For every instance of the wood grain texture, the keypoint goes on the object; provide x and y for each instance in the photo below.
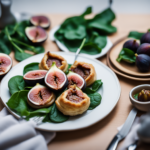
(98, 136)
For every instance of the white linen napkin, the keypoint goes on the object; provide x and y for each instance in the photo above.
(21, 135)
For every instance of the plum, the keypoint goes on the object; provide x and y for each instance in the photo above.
(144, 49)
(145, 37)
(132, 45)
(143, 62)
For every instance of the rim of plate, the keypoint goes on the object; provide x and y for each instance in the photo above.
(80, 55)
(65, 49)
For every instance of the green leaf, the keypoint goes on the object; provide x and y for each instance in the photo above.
(87, 11)
(56, 115)
(31, 67)
(136, 96)
(126, 55)
(16, 84)
(21, 55)
(39, 49)
(69, 66)
(96, 85)
(95, 100)
(135, 35)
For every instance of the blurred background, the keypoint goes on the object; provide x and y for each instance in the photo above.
(77, 6)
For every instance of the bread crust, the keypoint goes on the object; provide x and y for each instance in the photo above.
(44, 66)
(92, 76)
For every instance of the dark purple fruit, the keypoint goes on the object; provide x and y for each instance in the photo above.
(36, 34)
(145, 37)
(144, 49)
(41, 21)
(75, 79)
(132, 45)
(143, 62)
(5, 64)
(56, 79)
(40, 96)
(144, 95)
(35, 76)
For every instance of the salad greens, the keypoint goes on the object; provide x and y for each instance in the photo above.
(136, 96)
(74, 29)
(13, 38)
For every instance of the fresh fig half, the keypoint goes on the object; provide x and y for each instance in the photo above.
(5, 64)
(41, 21)
(74, 78)
(35, 76)
(56, 79)
(36, 34)
(40, 96)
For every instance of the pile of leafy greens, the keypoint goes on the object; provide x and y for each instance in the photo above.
(74, 29)
(13, 37)
(127, 54)
(18, 100)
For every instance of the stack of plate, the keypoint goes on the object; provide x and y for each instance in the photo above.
(123, 68)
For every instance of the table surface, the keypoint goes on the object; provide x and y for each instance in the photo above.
(98, 136)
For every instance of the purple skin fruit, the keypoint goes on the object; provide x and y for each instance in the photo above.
(144, 49)
(146, 37)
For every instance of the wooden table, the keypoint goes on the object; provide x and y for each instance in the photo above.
(98, 136)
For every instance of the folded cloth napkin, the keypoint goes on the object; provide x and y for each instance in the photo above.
(21, 135)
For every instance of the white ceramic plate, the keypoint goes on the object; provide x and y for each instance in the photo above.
(65, 49)
(110, 92)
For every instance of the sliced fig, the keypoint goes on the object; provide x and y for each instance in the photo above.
(35, 76)
(40, 96)
(36, 34)
(41, 21)
(74, 78)
(143, 62)
(144, 49)
(5, 64)
(56, 79)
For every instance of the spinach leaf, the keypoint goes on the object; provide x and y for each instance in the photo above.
(31, 67)
(95, 100)
(135, 35)
(16, 84)
(96, 85)
(136, 96)
(126, 55)
(69, 66)
(56, 116)
(21, 55)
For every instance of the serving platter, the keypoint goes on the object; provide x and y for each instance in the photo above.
(65, 49)
(125, 67)
(110, 92)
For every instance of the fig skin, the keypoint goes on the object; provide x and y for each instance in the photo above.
(145, 37)
(132, 45)
(5, 61)
(144, 95)
(33, 34)
(40, 103)
(41, 21)
(144, 49)
(52, 75)
(72, 77)
(143, 62)
(32, 81)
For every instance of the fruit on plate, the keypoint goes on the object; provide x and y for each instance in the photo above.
(146, 37)
(36, 34)
(5, 64)
(49, 58)
(73, 101)
(144, 49)
(74, 78)
(144, 95)
(35, 76)
(56, 79)
(41, 21)
(143, 62)
(85, 70)
(40, 96)
(132, 45)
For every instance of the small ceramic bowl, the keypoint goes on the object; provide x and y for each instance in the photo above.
(143, 106)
